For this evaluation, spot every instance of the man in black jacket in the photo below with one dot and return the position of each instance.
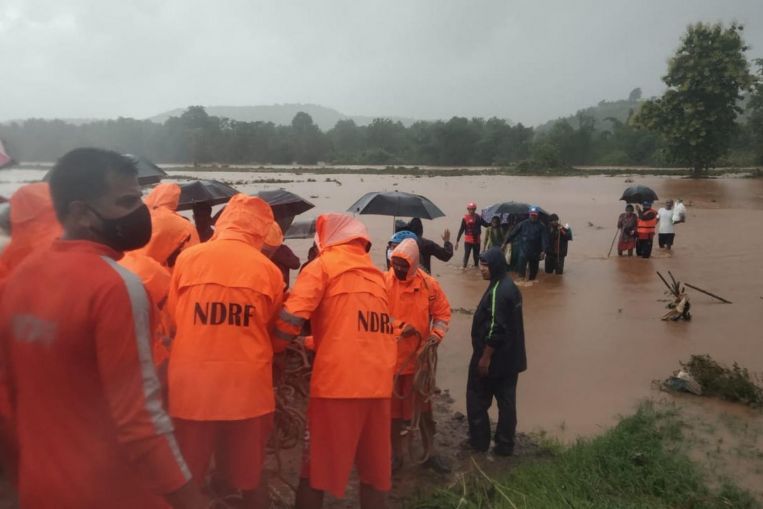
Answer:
(429, 248)
(533, 244)
(498, 343)
(558, 238)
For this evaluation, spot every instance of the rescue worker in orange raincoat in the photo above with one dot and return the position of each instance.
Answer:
(223, 296)
(76, 331)
(33, 225)
(171, 232)
(416, 300)
(344, 296)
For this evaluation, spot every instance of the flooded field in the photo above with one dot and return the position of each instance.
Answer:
(594, 338)
(595, 341)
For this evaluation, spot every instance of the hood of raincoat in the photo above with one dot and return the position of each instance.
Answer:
(496, 262)
(165, 195)
(274, 238)
(335, 229)
(169, 231)
(408, 250)
(245, 218)
(33, 223)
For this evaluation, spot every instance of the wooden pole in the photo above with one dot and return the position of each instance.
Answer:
(708, 293)
(666, 283)
(613, 242)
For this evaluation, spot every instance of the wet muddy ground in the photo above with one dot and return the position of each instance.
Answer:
(594, 338)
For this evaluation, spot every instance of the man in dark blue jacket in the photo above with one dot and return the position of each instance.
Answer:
(534, 244)
(498, 343)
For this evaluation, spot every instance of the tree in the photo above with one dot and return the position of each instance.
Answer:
(635, 95)
(755, 119)
(696, 115)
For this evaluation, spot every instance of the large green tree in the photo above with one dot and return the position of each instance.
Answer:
(706, 77)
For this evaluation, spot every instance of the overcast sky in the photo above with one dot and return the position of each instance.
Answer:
(528, 61)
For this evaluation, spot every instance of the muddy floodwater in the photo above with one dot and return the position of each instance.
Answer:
(595, 341)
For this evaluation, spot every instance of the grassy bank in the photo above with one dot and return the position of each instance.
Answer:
(640, 463)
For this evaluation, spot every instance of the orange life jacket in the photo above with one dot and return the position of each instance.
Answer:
(223, 295)
(344, 296)
(645, 228)
(472, 232)
(418, 301)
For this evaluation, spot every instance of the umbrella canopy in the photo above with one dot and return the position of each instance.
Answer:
(301, 230)
(507, 208)
(639, 194)
(148, 172)
(285, 203)
(207, 192)
(396, 204)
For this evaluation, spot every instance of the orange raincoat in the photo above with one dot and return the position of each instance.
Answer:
(156, 280)
(419, 302)
(223, 296)
(344, 296)
(91, 427)
(33, 225)
(169, 230)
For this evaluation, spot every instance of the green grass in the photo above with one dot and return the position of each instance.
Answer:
(637, 464)
(732, 384)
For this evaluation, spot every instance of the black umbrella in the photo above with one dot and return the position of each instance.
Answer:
(639, 194)
(284, 203)
(301, 230)
(207, 192)
(396, 204)
(148, 172)
(507, 208)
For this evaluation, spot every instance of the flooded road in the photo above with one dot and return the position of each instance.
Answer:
(595, 341)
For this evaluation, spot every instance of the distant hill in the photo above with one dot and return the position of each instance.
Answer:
(619, 110)
(280, 114)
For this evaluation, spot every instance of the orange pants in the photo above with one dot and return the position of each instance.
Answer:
(402, 408)
(343, 432)
(238, 446)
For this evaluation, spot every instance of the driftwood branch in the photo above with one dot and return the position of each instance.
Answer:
(708, 293)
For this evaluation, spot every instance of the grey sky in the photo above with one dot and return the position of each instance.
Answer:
(529, 61)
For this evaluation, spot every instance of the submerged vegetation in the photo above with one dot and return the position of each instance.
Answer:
(640, 463)
(731, 384)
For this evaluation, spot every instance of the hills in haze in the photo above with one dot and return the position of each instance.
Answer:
(281, 114)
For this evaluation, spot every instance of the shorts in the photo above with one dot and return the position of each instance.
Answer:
(402, 408)
(665, 239)
(239, 448)
(343, 432)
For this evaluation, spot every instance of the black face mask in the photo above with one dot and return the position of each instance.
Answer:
(131, 231)
(400, 274)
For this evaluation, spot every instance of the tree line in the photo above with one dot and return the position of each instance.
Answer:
(709, 115)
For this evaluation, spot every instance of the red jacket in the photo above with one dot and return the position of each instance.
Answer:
(76, 344)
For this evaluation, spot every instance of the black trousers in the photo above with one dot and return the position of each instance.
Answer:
(528, 267)
(475, 250)
(480, 392)
(554, 263)
(666, 239)
(644, 247)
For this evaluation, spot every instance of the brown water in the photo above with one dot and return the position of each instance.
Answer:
(594, 338)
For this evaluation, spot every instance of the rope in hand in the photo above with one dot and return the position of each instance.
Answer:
(291, 381)
(424, 381)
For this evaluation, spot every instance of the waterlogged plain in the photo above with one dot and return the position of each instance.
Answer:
(594, 338)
